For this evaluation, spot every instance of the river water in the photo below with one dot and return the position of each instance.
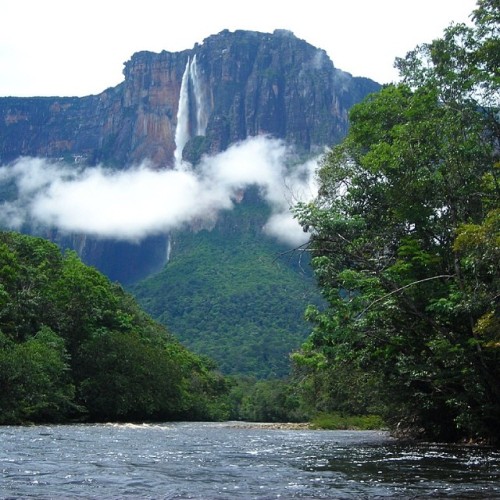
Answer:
(229, 461)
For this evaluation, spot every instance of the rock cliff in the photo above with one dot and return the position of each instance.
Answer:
(235, 85)
(223, 293)
(248, 83)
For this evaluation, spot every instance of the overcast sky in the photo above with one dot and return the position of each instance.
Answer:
(76, 47)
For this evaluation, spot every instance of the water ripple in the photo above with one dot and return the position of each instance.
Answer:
(220, 461)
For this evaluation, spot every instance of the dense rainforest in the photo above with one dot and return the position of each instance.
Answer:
(74, 346)
(244, 305)
(406, 247)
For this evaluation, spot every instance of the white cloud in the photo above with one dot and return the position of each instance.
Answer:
(132, 204)
(285, 228)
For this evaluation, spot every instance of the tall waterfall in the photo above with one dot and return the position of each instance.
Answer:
(182, 129)
(199, 89)
(193, 112)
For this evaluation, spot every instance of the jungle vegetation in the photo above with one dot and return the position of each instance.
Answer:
(233, 293)
(406, 247)
(76, 347)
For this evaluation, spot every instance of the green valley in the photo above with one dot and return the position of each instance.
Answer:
(234, 294)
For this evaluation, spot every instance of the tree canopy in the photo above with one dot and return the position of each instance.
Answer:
(74, 346)
(406, 246)
(244, 305)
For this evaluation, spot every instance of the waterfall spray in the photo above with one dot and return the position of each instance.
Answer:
(192, 103)
(168, 251)
(200, 98)
(182, 129)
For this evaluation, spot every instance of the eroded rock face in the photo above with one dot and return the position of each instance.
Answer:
(236, 85)
(279, 85)
(251, 83)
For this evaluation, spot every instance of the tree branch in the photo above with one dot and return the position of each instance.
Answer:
(403, 288)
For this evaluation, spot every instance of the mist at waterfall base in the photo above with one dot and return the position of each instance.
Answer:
(138, 202)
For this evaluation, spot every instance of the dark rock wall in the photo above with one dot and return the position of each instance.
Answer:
(251, 83)
(255, 83)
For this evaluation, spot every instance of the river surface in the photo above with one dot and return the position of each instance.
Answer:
(229, 461)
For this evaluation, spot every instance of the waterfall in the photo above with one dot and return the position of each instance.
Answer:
(182, 129)
(200, 99)
(193, 111)
(168, 252)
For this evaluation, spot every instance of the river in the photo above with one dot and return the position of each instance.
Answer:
(232, 461)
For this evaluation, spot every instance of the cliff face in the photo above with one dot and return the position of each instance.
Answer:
(246, 83)
(185, 104)
(232, 300)
(276, 84)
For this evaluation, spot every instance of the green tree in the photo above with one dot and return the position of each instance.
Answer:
(85, 302)
(127, 377)
(406, 205)
(34, 379)
(265, 401)
(75, 345)
(28, 268)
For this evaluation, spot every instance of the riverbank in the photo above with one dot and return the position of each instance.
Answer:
(270, 425)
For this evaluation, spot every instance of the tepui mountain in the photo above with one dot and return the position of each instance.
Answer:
(174, 106)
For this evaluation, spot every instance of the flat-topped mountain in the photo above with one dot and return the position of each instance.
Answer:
(220, 288)
(242, 84)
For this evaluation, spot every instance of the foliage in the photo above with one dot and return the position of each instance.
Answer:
(127, 378)
(75, 345)
(265, 401)
(337, 421)
(34, 377)
(243, 306)
(405, 238)
(349, 388)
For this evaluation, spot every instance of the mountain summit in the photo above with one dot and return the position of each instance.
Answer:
(214, 279)
(239, 84)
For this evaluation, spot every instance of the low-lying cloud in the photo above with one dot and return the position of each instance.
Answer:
(138, 202)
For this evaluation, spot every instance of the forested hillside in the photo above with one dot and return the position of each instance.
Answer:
(74, 346)
(233, 293)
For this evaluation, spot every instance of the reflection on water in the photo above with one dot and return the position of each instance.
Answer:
(219, 461)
